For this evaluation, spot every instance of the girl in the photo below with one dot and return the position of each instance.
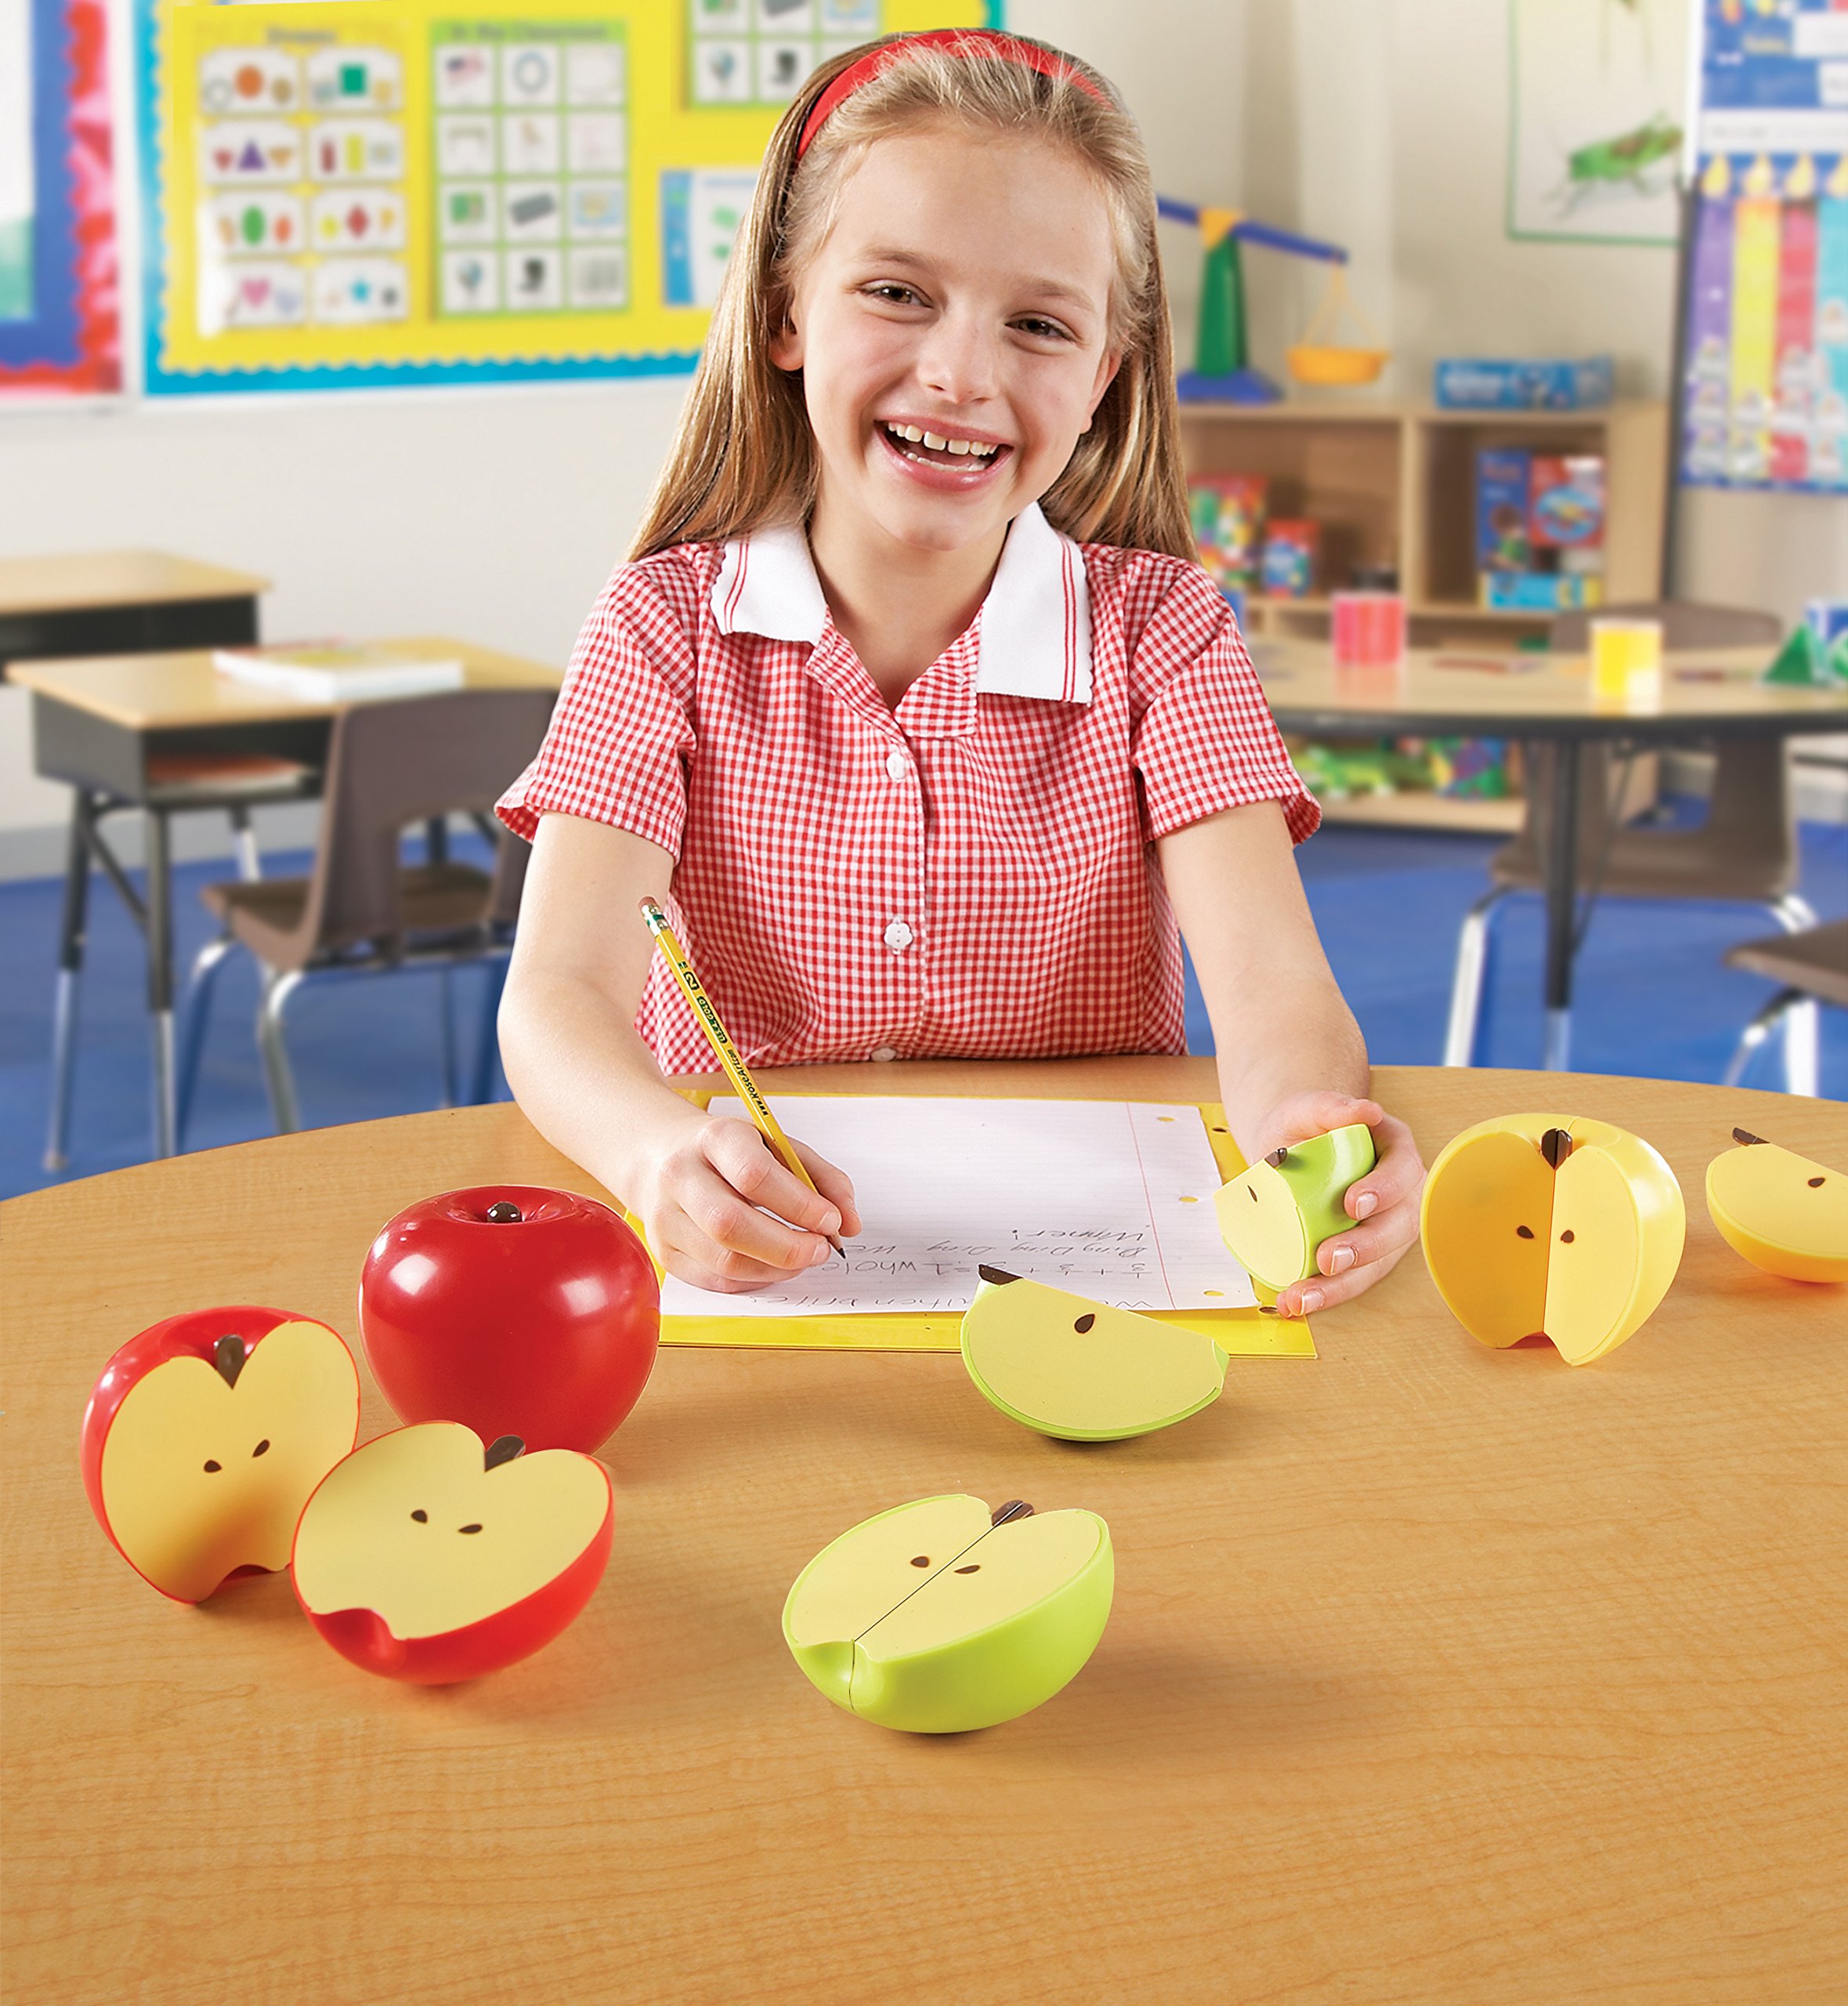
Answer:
(913, 691)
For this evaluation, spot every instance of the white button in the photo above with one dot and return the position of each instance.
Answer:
(898, 937)
(883, 1053)
(897, 765)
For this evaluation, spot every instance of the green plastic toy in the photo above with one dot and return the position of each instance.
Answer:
(1805, 662)
(1275, 1215)
(939, 1617)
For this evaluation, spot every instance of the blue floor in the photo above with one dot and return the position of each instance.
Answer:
(1651, 998)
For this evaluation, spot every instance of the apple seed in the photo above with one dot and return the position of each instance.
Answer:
(1085, 1321)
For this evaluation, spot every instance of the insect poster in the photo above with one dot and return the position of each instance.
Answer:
(58, 330)
(355, 193)
(1596, 121)
(1764, 389)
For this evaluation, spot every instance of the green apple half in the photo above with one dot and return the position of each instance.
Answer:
(1275, 1215)
(939, 1617)
(1079, 1369)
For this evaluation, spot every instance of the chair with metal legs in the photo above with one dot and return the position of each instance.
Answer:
(363, 909)
(178, 783)
(1744, 851)
(1811, 968)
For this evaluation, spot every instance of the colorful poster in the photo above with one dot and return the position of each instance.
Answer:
(1598, 91)
(758, 51)
(1765, 391)
(355, 193)
(59, 328)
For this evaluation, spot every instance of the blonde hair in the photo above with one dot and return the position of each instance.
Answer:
(744, 456)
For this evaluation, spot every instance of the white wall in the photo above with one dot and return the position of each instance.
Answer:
(496, 514)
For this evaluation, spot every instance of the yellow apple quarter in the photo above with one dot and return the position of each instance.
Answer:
(1079, 1369)
(1554, 1226)
(939, 1617)
(1782, 1212)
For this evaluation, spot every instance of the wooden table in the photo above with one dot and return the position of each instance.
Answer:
(100, 724)
(1705, 694)
(109, 602)
(1436, 1675)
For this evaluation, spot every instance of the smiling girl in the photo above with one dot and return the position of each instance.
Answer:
(913, 693)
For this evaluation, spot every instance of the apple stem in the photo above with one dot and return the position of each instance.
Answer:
(1279, 1158)
(1745, 1135)
(503, 1449)
(1556, 1146)
(228, 1355)
(995, 1277)
(1015, 1508)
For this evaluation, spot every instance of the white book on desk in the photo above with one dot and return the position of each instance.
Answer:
(339, 675)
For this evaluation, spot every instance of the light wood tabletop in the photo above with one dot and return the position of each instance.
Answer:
(185, 691)
(1534, 694)
(70, 580)
(1436, 1673)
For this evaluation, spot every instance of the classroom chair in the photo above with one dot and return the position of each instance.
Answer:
(177, 783)
(1811, 967)
(363, 909)
(1744, 851)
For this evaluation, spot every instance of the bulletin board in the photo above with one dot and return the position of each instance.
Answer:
(59, 328)
(1764, 375)
(342, 193)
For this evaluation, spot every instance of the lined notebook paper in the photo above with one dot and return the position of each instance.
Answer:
(1111, 1199)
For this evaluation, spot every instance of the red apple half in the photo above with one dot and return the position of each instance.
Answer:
(424, 1557)
(514, 1309)
(205, 1436)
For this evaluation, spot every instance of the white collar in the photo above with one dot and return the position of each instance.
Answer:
(1036, 622)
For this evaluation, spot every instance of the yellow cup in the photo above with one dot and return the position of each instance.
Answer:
(1626, 659)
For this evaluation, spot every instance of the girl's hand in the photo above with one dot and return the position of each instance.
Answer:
(707, 1204)
(1383, 1203)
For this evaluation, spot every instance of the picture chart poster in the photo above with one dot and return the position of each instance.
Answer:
(58, 327)
(346, 193)
(1765, 393)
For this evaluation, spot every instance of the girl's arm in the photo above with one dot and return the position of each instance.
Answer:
(1292, 1062)
(700, 1184)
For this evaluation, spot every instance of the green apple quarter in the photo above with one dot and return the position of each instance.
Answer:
(1079, 1369)
(1275, 1215)
(940, 1616)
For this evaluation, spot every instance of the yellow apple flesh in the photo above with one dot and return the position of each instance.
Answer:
(1780, 1211)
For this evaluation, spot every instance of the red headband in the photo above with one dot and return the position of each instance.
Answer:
(959, 42)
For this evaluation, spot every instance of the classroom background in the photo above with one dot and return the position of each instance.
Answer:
(494, 512)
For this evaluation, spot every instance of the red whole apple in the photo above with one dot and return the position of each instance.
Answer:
(205, 1436)
(424, 1557)
(514, 1310)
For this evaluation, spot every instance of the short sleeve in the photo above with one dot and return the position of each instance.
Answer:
(1203, 739)
(622, 734)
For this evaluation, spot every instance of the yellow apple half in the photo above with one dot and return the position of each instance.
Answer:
(424, 1557)
(938, 1616)
(1079, 1369)
(1552, 1225)
(1785, 1214)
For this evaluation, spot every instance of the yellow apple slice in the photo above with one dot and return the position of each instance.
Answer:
(1619, 1227)
(1079, 1369)
(1782, 1212)
(424, 1557)
(204, 1469)
(1261, 1222)
(979, 1622)
(1488, 1206)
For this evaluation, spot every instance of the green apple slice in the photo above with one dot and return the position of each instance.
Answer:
(1079, 1369)
(1275, 1215)
(933, 1619)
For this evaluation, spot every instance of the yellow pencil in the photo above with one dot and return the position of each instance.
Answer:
(694, 990)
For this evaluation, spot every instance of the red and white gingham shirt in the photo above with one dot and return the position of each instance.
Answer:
(966, 875)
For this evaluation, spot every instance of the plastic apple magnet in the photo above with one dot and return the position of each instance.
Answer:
(424, 1557)
(1551, 1226)
(1785, 1214)
(514, 1309)
(1275, 1215)
(940, 1616)
(204, 1436)
(1081, 1370)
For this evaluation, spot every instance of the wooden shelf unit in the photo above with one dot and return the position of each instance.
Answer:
(1394, 484)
